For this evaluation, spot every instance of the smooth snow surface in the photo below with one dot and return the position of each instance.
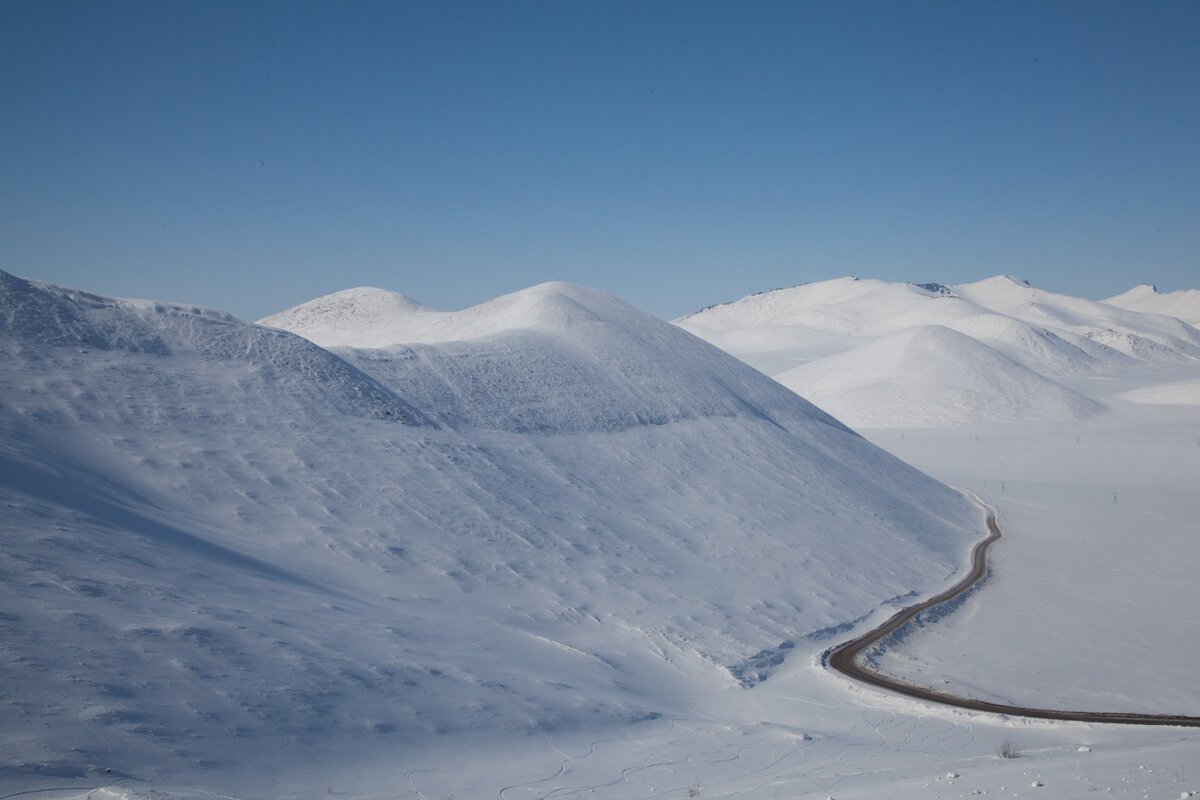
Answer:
(878, 354)
(899, 377)
(1092, 598)
(1183, 304)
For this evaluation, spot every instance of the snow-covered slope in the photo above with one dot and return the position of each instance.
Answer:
(227, 360)
(1151, 337)
(1183, 304)
(791, 334)
(557, 358)
(223, 545)
(932, 376)
(354, 317)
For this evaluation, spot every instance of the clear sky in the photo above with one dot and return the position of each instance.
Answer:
(252, 155)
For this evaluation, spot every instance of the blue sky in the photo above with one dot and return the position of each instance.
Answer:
(251, 156)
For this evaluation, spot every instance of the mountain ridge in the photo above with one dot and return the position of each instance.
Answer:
(1181, 303)
(1045, 338)
(561, 358)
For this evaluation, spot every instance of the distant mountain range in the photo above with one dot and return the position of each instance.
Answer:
(878, 354)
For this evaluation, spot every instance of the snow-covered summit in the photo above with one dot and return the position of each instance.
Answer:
(1182, 303)
(561, 358)
(376, 318)
(359, 317)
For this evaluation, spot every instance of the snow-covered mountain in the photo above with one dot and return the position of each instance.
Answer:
(224, 545)
(1183, 304)
(1147, 337)
(553, 358)
(883, 354)
(900, 377)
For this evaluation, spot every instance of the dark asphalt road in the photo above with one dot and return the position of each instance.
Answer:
(844, 659)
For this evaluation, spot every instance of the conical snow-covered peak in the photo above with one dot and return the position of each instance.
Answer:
(1182, 304)
(360, 317)
(999, 293)
(1003, 282)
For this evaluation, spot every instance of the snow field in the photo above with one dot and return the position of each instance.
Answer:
(237, 565)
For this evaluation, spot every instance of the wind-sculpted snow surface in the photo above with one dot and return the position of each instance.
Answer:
(1024, 342)
(223, 545)
(194, 345)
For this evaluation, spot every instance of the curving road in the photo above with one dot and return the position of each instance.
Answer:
(844, 657)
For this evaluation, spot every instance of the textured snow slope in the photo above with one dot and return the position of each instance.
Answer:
(807, 338)
(230, 555)
(355, 317)
(1183, 304)
(558, 358)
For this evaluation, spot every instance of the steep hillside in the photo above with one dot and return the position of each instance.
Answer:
(228, 550)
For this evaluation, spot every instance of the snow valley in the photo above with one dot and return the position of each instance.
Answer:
(543, 546)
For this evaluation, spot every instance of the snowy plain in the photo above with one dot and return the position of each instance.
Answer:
(240, 565)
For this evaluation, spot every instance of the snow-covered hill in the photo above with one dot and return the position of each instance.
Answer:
(1024, 341)
(1149, 337)
(357, 317)
(232, 555)
(932, 376)
(1183, 304)
(553, 358)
